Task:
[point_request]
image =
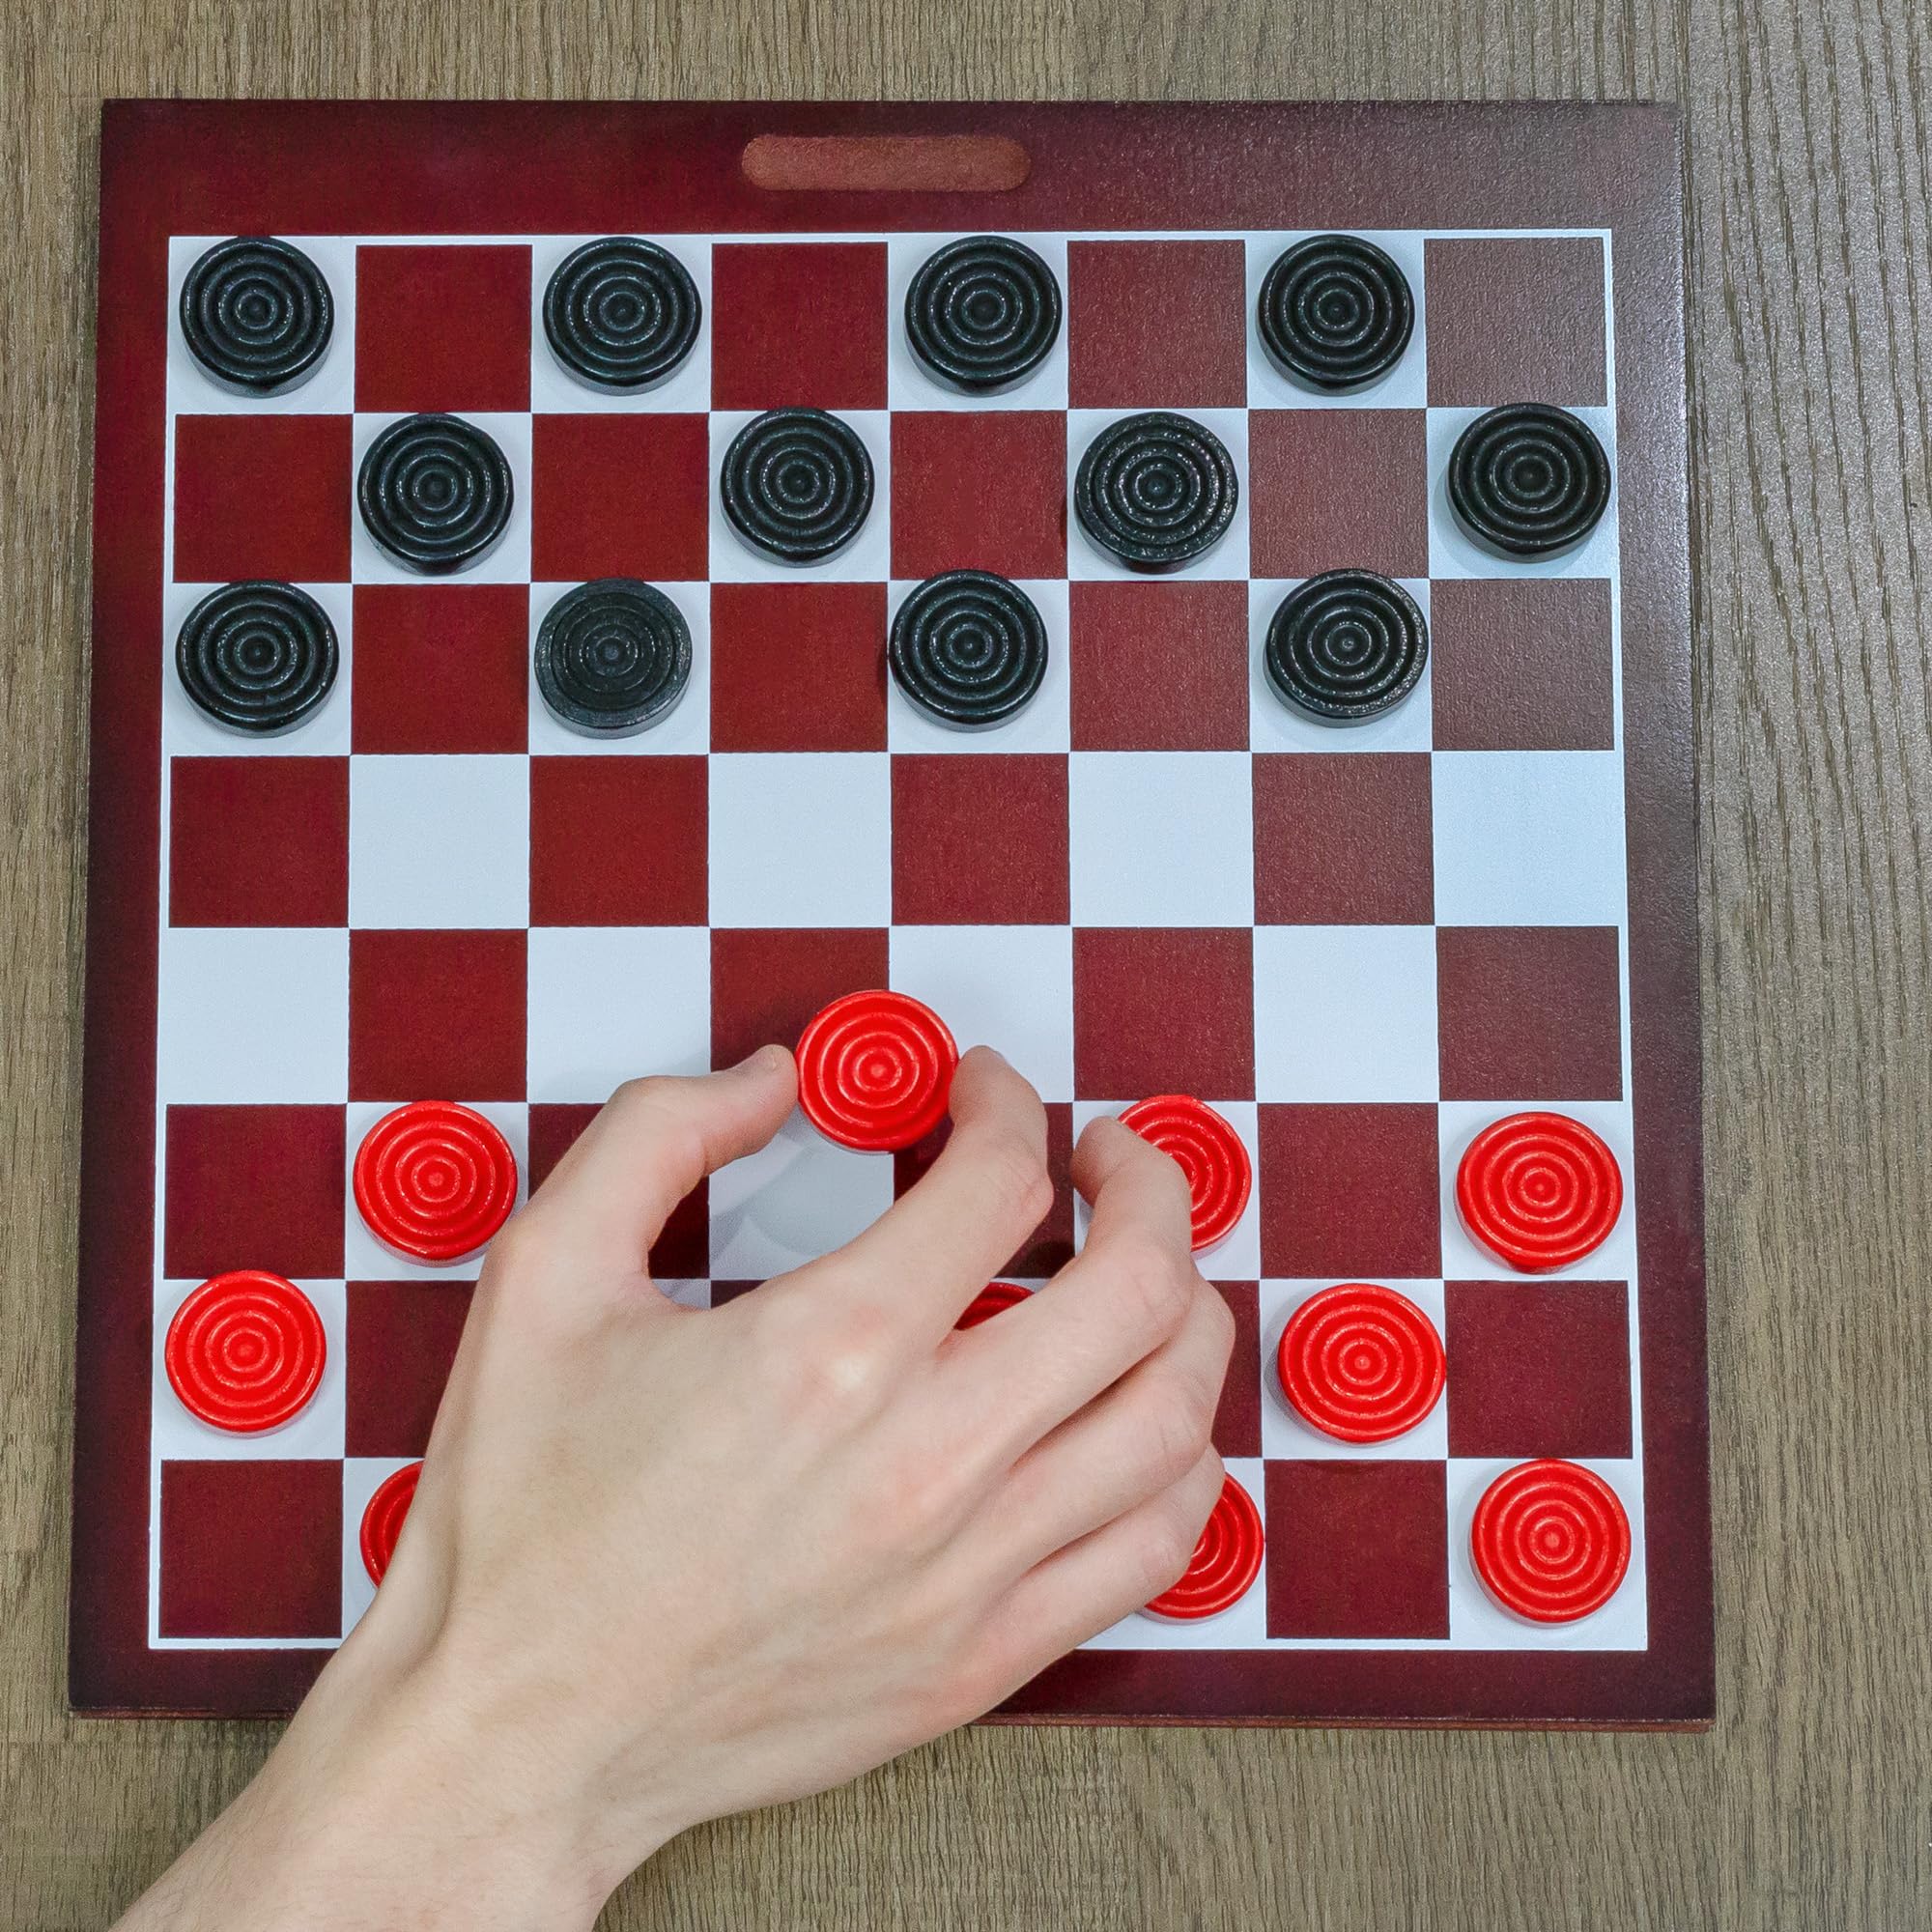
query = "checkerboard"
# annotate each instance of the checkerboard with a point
(1360, 946)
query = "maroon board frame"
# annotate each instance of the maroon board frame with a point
(214, 168)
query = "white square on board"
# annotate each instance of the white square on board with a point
(509, 562)
(685, 730)
(1478, 1622)
(439, 841)
(316, 1431)
(609, 1002)
(554, 389)
(912, 386)
(1452, 552)
(1162, 838)
(1044, 723)
(1227, 559)
(866, 560)
(1285, 1435)
(253, 1014)
(1006, 986)
(801, 839)
(1529, 838)
(1405, 386)
(792, 1202)
(1345, 1012)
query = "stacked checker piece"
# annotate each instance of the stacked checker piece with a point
(435, 1180)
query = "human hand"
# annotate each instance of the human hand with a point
(666, 1564)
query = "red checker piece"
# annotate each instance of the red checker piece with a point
(383, 1519)
(1551, 1541)
(1361, 1363)
(1225, 1563)
(1211, 1154)
(875, 1071)
(435, 1180)
(1538, 1191)
(244, 1351)
(995, 1298)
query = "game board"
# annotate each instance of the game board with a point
(1362, 944)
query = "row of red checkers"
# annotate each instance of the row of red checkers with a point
(435, 1180)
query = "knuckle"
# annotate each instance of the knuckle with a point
(1149, 1281)
(1014, 1166)
(830, 1365)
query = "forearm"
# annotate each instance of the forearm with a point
(384, 1807)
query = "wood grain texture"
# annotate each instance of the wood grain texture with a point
(1811, 276)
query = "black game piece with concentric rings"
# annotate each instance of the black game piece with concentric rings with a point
(1157, 490)
(983, 313)
(797, 485)
(1528, 480)
(1346, 646)
(258, 657)
(612, 657)
(1335, 312)
(257, 314)
(435, 492)
(968, 648)
(621, 314)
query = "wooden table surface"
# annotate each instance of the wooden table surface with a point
(1810, 328)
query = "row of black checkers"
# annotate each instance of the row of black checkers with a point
(622, 314)
(967, 647)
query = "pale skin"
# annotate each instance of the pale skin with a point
(667, 1564)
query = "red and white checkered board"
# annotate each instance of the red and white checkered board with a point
(1360, 946)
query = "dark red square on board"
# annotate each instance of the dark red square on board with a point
(1357, 1550)
(798, 323)
(254, 1187)
(1159, 666)
(402, 1340)
(1353, 1191)
(263, 496)
(437, 1015)
(1337, 489)
(1538, 1368)
(1522, 663)
(1529, 1012)
(1157, 324)
(1050, 1247)
(620, 496)
(619, 842)
(1163, 1010)
(797, 666)
(682, 1251)
(258, 842)
(767, 981)
(441, 667)
(251, 1548)
(1375, 861)
(1237, 1422)
(442, 327)
(1543, 343)
(979, 840)
(983, 491)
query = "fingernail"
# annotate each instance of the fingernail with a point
(766, 1059)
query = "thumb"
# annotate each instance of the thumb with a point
(656, 1139)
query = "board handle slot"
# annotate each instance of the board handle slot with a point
(885, 163)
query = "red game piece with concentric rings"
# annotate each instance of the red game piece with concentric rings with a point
(875, 1071)
(383, 1519)
(1211, 1154)
(1225, 1563)
(1551, 1541)
(245, 1351)
(1360, 1362)
(1540, 1191)
(995, 1298)
(435, 1180)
